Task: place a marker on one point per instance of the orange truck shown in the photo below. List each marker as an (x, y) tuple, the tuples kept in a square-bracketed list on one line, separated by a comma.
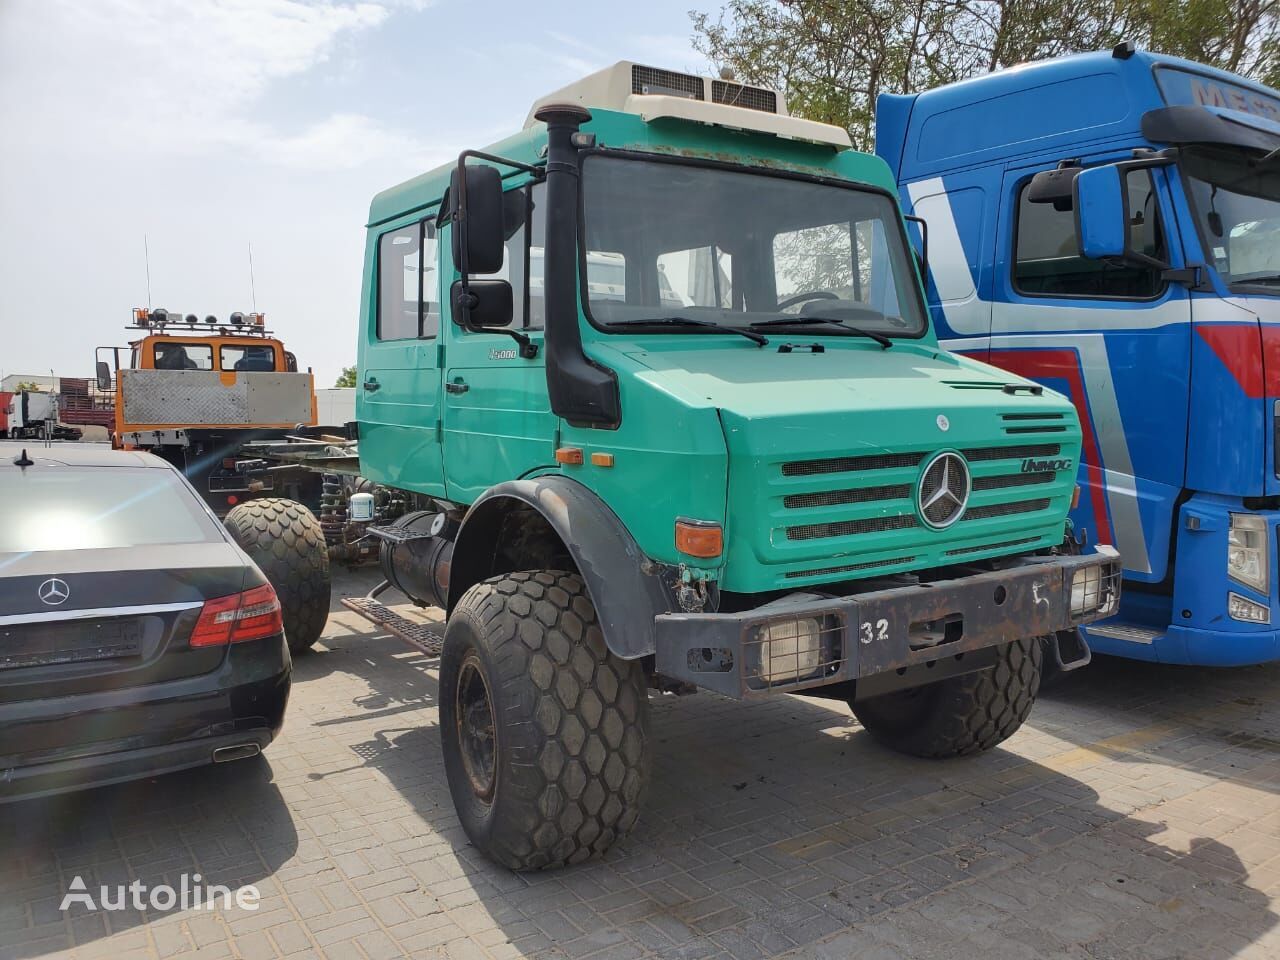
[(195, 392)]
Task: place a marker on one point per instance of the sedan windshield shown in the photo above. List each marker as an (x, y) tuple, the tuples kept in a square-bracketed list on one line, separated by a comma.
[(1237, 202), (675, 243), (89, 508)]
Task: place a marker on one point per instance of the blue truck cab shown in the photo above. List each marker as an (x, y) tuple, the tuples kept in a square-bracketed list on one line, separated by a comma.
[(1109, 225)]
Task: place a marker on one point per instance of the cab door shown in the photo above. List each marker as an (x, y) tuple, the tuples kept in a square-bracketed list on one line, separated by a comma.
[(498, 423), (398, 391), (1115, 339)]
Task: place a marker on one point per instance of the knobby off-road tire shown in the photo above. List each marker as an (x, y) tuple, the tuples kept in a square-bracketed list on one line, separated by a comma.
[(960, 715), (545, 732), (285, 540)]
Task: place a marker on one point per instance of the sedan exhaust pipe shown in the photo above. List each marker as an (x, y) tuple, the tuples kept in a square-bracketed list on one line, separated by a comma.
[(241, 751)]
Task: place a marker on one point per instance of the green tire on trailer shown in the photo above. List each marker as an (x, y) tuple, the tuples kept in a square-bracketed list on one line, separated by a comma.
[(285, 540), (545, 733), (960, 715)]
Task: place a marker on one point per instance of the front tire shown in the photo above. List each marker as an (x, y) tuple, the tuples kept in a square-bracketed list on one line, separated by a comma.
[(960, 715), (286, 541), (545, 732)]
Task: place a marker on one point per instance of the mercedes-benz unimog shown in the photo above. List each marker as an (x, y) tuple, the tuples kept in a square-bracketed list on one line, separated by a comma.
[(713, 444)]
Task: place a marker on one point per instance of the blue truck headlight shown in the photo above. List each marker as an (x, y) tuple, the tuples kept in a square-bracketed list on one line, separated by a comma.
[(1248, 551), (1241, 608)]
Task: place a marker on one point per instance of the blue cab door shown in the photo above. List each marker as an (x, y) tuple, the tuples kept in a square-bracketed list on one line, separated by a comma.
[(1116, 339)]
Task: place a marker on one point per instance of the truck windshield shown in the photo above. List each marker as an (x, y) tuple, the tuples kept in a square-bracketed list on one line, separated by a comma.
[(1237, 202), (734, 248)]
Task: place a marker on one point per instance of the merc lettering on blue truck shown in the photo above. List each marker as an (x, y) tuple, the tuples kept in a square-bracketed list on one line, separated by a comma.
[(1153, 303)]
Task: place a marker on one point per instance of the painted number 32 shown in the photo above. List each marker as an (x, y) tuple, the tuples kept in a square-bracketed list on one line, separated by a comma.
[(874, 631)]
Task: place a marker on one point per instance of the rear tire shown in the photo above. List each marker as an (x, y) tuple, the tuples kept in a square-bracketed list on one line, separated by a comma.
[(960, 715), (285, 540), (545, 732)]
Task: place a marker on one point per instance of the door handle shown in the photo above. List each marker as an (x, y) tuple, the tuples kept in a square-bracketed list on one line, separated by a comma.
[(457, 386), (371, 385)]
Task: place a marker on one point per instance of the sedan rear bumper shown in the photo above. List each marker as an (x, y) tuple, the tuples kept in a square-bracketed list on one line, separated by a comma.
[(804, 641), (58, 744)]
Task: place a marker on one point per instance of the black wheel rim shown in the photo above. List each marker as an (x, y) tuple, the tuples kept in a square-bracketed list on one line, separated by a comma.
[(476, 729)]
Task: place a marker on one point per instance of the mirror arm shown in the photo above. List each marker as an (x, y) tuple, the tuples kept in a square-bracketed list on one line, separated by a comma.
[(924, 240), (466, 300)]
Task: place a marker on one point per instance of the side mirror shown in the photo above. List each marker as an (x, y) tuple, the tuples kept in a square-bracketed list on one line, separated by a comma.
[(104, 375), (1053, 186), (482, 304), (1103, 228), (478, 240)]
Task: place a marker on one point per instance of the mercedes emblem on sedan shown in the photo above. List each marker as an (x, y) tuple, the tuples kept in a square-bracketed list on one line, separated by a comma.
[(944, 490), (53, 591)]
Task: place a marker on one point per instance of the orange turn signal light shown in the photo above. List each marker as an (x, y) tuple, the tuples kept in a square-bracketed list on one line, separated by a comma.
[(569, 455), (602, 459), (1075, 497), (699, 538)]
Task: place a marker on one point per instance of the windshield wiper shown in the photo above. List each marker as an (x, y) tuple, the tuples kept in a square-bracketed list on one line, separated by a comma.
[(885, 342), (690, 322)]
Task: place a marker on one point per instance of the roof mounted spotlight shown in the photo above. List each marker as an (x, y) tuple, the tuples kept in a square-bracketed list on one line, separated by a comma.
[(237, 319), (1124, 50), (159, 317), (211, 319), (192, 319)]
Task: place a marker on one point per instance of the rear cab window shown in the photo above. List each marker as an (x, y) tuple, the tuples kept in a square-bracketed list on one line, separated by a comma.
[(98, 508), (249, 358), (182, 356)]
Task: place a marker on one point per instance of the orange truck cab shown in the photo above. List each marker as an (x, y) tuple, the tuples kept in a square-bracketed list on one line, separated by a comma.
[(195, 391)]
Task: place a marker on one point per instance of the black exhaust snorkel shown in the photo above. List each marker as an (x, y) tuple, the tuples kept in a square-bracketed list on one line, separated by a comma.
[(582, 392)]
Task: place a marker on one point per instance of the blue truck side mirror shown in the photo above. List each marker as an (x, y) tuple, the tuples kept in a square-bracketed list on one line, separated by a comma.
[(1101, 222)]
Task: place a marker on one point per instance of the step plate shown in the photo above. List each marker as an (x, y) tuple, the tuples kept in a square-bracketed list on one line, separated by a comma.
[(420, 636), (1118, 631), (396, 535)]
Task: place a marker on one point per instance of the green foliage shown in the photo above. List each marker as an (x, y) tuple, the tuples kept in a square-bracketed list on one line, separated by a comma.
[(834, 57), (347, 378), (30, 386)]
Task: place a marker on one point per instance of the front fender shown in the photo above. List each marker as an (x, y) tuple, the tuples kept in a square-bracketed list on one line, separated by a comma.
[(626, 597)]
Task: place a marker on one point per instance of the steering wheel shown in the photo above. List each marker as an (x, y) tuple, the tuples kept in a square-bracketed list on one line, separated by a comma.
[(810, 295)]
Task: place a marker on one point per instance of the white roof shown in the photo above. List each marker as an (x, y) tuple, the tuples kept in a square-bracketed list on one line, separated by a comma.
[(655, 94)]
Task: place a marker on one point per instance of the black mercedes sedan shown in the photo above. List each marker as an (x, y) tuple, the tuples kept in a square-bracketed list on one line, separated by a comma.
[(136, 638)]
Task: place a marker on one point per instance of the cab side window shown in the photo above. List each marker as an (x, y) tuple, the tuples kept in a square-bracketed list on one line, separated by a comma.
[(408, 288), (1047, 261)]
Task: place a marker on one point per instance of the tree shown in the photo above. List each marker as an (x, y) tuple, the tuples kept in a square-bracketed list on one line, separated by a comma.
[(30, 386), (834, 57), (347, 378)]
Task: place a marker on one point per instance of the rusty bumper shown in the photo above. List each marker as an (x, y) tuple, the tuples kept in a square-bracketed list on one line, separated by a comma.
[(805, 640)]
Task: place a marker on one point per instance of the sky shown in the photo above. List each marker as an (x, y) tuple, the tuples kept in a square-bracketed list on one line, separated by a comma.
[(194, 129)]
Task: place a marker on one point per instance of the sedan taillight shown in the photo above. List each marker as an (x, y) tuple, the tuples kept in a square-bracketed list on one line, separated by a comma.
[(251, 615)]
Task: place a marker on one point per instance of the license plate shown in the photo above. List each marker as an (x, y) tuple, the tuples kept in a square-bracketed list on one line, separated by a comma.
[(75, 641)]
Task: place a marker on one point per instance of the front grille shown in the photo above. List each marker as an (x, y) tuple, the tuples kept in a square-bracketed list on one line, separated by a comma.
[(652, 80), (737, 95), (832, 498), (875, 461), (1005, 509), (845, 528), (1007, 480), (1002, 545), (980, 454), (849, 568)]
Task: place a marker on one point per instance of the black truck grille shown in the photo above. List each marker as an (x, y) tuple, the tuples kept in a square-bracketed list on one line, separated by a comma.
[(652, 80), (738, 95)]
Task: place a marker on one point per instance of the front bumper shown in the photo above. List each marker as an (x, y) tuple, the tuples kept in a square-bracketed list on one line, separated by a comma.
[(805, 641)]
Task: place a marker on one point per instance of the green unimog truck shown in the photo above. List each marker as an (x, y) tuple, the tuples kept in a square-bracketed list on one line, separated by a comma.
[(657, 376)]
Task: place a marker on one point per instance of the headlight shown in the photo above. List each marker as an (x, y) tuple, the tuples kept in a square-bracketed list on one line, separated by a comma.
[(1247, 551), (790, 650), (1093, 590), (1239, 608)]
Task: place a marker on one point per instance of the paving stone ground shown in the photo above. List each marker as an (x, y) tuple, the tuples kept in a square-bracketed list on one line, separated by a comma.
[(1136, 815)]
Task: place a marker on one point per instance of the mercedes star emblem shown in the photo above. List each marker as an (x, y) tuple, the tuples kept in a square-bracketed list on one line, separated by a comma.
[(53, 591), (944, 490)]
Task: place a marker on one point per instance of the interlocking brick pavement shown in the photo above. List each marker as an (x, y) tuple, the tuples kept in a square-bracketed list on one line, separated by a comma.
[(1137, 815)]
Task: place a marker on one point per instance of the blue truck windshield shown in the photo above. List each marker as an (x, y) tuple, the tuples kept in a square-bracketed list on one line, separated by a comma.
[(731, 248), (1237, 202)]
